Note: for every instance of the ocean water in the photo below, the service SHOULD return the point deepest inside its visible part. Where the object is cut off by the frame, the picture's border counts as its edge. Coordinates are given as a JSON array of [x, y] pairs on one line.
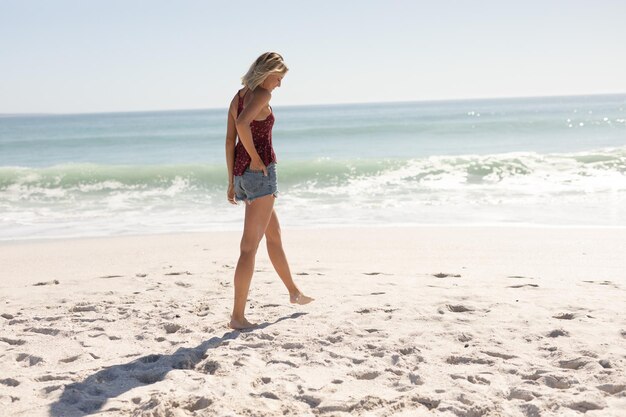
[[529, 161]]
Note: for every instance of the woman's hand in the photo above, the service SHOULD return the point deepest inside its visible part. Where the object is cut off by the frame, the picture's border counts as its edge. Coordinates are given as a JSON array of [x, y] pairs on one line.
[[258, 165], [230, 194]]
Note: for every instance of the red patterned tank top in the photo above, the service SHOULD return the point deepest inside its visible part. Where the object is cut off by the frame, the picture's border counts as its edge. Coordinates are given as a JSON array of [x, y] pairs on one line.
[[262, 139]]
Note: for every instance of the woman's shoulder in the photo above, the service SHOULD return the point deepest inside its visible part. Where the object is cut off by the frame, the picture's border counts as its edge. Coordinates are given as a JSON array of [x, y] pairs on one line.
[[260, 95], [234, 104]]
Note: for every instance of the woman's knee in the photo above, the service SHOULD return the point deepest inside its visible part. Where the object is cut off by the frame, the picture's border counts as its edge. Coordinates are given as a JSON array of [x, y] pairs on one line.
[[249, 245], [272, 236]]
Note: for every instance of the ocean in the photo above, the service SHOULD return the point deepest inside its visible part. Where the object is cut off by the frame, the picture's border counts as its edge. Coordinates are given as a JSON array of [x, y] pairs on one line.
[[545, 161]]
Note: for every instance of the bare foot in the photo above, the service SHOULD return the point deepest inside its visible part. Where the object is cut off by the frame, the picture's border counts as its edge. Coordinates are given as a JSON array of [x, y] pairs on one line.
[[240, 324], [300, 299]]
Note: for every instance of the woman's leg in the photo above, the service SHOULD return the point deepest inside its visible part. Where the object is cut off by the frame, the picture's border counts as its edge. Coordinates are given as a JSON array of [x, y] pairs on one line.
[[279, 260], [277, 254], [257, 216]]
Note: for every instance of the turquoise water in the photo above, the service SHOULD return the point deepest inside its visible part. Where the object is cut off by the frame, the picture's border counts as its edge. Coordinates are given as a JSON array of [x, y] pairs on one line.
[[555, 160]]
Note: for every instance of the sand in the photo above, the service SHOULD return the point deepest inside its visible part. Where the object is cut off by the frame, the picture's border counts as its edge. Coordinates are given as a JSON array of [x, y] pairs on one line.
[[421, 321]]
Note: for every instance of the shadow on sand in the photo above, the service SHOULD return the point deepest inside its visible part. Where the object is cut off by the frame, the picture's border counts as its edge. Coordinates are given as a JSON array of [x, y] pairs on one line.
[[88, 396]]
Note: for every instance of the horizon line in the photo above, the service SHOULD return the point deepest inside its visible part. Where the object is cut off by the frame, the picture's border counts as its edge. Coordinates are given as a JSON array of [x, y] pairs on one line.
[[314, 105]]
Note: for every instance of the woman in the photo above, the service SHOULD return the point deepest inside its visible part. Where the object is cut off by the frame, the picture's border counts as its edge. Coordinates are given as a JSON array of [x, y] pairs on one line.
[[252, 178]]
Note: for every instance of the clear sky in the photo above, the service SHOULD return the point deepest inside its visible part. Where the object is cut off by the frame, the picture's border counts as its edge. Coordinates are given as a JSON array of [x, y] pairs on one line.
[[84, 56]]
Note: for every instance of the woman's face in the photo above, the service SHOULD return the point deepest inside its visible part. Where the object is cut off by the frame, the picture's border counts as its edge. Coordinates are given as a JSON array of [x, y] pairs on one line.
[[272, 81]]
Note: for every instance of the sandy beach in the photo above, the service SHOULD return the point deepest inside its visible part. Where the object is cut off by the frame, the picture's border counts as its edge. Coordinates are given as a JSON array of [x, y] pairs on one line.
[[419, 321]]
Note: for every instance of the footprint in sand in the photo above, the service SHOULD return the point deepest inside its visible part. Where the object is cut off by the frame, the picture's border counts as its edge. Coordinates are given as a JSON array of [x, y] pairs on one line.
[[522, 394], [523, 285], [427, 402], [610, 283], [84, 307], [444, 275], [12, 342], [612, 389], [53, 282], [197, 403], [43, 330], [261, 336], [159, 402], [251, 345], [558, 381], [584, 406], [289, 363], [10, 382], [557, 333], [50, 377], [477, 379], [530, 410], [462, 360], [499, 355], [149, 376], [51, 388], [575, 363], [179, 273], [310, 400], [49, 318], [209, 367], [538, 373], [409, 350], [70, 359], [368, 375], [375, 273], [171, 327], [464, 337], [565, 316], [30, 360], [458, 308], [292, 345]]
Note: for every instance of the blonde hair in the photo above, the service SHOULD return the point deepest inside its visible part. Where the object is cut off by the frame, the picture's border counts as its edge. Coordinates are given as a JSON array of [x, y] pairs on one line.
[[266, 64]]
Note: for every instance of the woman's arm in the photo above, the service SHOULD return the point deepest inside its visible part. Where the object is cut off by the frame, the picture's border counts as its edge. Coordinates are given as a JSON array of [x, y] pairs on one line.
[[260, 99], [231, 138]]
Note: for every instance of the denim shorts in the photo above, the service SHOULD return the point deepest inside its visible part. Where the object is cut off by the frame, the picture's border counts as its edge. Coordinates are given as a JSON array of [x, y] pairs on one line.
[[253, 184]]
